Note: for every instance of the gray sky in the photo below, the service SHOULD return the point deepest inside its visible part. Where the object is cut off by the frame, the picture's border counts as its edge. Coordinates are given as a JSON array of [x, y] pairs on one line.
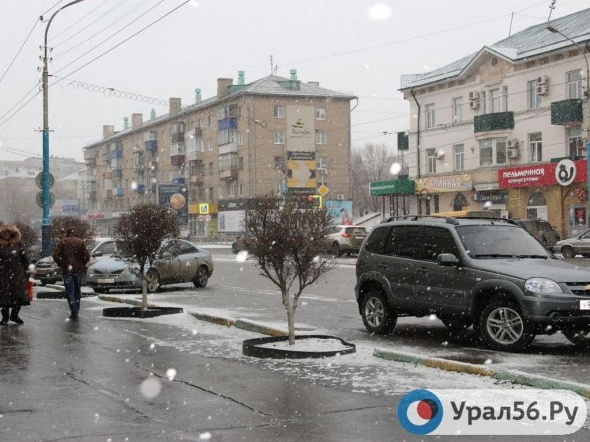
[[167, 48]]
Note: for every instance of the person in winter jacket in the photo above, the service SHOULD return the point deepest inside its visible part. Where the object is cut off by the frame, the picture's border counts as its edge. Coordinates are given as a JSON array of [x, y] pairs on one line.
[[14, 270], [72, 256]]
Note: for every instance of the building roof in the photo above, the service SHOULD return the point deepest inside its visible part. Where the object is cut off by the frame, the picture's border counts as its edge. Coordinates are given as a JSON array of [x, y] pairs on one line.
[[531, 42], [270, 85]]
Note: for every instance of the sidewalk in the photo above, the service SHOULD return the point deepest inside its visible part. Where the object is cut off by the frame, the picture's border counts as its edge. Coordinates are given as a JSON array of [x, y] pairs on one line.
[[512, 376]]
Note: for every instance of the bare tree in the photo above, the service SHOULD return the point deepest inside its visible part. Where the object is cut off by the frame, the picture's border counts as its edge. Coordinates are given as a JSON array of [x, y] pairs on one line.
[[371, 163], [140, 234], [290, 239], [28, 235]]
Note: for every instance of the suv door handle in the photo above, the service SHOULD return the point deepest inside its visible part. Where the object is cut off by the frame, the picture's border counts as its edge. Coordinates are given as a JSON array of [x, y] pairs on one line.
[[422, 270], [382, 265]]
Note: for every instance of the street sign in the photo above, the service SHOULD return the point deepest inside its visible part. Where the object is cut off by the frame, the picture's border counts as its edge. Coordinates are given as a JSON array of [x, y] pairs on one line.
[[39, 180], [322, 190], [39, 199]]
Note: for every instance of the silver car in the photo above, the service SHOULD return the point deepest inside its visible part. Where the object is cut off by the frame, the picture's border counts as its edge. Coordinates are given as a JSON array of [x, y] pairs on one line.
[[578, 245], [178, 261], [345, 239]]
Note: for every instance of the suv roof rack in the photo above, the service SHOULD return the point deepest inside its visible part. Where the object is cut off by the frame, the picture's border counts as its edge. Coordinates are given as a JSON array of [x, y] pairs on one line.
[[448, 219]]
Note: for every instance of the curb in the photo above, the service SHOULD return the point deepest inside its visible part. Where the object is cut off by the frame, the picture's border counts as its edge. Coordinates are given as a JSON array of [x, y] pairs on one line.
[[517, 378]]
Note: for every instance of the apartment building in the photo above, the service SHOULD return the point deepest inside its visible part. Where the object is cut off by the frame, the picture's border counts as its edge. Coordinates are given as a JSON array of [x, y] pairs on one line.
[[270, 137], [506, 128]]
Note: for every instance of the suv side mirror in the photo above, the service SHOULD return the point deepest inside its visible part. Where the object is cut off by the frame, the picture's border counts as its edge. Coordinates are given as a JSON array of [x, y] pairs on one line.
[[447, 260], [97, 253]]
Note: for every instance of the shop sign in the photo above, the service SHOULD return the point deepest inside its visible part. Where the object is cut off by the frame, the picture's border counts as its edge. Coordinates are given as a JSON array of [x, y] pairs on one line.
[[493, 196], [564, 173], [450, 183]]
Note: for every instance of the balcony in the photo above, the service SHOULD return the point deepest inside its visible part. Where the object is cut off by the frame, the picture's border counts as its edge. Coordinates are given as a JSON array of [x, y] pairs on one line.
[[118, 191], [91, 162], [109, 193], [227, 123], [195, 155], [228, 148], [118, 173], [107, 175], [228, 174], [138, 166], [151, 145], [90, 154], [177, 160], [495, 121], [178, 137], [140, 188], [117, 153], [107, 156], [567, 112]]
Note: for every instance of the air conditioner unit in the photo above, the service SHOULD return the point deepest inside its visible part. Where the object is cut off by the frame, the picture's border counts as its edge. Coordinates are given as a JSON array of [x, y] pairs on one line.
[[542, 79], [439, 154], [474, 95], [513, 153], [512, 143], [474, 104], [542, 89], [340, 197]]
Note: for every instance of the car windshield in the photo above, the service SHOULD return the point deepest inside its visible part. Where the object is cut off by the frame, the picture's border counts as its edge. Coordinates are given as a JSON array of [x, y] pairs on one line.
[[500, 241]]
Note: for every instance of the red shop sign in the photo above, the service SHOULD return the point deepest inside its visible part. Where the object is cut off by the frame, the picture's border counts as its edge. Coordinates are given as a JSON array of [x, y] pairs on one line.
[[539, 175]]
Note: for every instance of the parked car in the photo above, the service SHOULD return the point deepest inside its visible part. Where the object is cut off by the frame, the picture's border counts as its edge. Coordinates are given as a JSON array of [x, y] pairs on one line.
[[489, 273], [541, 230], [48, 272], [178, 261], [243, 242], [345, 239], [579, 245]]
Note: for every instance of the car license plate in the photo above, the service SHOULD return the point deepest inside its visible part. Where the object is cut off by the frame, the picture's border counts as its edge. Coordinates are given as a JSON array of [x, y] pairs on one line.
[[105, 281], [585, 304]]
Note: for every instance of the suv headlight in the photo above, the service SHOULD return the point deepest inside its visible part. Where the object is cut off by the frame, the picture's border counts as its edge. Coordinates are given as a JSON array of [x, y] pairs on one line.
[[542, 286]]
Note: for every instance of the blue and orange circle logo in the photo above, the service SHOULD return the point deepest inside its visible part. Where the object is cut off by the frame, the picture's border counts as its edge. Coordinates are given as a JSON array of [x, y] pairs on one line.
[[420, 412]]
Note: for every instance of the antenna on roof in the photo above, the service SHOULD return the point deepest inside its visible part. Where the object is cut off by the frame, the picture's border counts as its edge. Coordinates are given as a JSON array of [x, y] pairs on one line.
[[551, 8], [273, 68]]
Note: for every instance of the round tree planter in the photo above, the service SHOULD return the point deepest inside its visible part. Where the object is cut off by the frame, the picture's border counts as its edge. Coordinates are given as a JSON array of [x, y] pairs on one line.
[[258, 348], [137, 312]]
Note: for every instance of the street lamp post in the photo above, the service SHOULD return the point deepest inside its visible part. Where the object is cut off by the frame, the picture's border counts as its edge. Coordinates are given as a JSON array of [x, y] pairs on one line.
[[586, 116], [46, 226]]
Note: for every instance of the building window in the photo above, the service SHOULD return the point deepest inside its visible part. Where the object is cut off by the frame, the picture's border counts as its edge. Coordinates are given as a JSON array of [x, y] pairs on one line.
[[232, 189], [210, 121], [320, 113], [430, 117], [210, 145], [241, 189], [431, 160], [221, 191], [457, 109], [211, 194], [240, 138], [241, 163], [321, 163], [533, 99], [278, 137], [492, 151], [576, 146], [279, 163], [459, 150], [574, 84], [536, 147], [495, 100], [210, 168], [279, 112], [321, 137]]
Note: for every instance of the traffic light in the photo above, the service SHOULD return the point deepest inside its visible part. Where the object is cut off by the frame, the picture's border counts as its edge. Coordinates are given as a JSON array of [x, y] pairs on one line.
[[315, 201]]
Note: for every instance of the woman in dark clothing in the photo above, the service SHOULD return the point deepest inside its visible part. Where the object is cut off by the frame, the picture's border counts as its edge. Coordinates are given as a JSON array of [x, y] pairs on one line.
[[14, 270]]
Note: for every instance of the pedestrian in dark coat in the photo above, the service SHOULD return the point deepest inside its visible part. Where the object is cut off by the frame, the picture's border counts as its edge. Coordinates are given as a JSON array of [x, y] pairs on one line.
[[14, 270], [72, 256]]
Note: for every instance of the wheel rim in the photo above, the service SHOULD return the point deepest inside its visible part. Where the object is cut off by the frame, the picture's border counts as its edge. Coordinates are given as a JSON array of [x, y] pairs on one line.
[[152, 282], [336, 249], [374, 312], [505, 325], [202, 277]]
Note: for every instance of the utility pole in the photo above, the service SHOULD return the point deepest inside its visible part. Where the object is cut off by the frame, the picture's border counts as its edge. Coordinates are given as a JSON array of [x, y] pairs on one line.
[[46, 226]]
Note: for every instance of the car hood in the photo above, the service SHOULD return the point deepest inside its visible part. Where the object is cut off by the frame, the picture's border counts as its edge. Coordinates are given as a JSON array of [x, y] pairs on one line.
[[567, 241], [525, 268], [111, 265]]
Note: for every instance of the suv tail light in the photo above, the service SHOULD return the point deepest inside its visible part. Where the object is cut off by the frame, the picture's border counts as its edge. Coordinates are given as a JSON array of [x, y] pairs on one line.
[[346, 235]]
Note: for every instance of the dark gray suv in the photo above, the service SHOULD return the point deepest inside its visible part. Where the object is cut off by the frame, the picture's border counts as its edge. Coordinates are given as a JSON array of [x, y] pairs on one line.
[[489, 273]]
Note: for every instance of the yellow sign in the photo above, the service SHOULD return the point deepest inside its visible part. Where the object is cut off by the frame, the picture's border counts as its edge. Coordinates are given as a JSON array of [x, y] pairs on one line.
[[203, 209], [322, 190]]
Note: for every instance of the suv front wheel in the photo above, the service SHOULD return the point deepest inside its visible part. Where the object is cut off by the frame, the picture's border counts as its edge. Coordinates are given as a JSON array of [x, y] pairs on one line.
[[503, 327], [378, 316]]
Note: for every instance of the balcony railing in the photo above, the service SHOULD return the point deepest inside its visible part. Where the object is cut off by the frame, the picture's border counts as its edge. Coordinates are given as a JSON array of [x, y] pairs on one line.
[[118, 191], [151, 145], [228, 174], [177, 160], [495, 121], [566, 112]]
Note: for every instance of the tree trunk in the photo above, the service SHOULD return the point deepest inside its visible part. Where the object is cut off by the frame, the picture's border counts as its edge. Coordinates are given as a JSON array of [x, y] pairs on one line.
[[144, 302], [291, 322]]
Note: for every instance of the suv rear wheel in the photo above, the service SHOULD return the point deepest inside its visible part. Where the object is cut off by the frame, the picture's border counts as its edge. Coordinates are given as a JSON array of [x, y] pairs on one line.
[[503, 327], [378, 316]]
